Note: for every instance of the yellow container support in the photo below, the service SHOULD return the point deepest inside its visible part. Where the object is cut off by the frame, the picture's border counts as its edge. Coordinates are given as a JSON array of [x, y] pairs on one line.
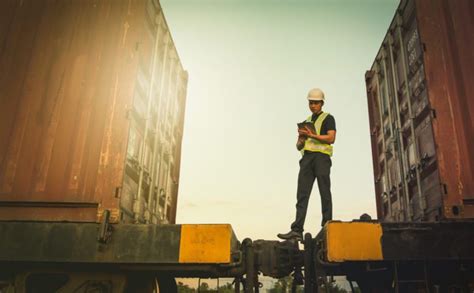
[[205, 243], [353, 241]]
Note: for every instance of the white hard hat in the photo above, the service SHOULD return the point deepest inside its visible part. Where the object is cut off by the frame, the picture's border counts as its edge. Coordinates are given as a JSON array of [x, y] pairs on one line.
[[316, 95]]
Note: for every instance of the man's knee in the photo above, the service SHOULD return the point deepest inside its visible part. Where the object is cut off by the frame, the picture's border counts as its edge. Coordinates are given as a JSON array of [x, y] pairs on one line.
[[324, 181]]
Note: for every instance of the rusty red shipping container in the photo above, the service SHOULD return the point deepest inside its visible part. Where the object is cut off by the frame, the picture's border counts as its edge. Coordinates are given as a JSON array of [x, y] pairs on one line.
[[420, 93], [92, 97]]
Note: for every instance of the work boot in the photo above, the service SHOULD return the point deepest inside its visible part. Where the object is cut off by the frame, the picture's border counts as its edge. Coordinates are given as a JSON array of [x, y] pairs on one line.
[[291, 235]]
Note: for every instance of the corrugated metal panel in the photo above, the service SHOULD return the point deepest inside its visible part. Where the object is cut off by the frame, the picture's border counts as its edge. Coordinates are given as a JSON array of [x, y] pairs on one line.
[[374, 121], [419, 109], [72, 74], [447, 29]]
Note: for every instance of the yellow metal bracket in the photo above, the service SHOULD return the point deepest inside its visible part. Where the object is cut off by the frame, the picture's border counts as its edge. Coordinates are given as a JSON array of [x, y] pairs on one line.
[[353, 241], [205, 243]]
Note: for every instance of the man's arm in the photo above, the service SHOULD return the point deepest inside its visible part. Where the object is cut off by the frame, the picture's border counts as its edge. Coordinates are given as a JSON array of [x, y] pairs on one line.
[[329, 138]]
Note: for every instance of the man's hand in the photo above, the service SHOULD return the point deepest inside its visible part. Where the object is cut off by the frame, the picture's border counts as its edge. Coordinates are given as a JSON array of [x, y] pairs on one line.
[[300, 142], [302, 136], [306, 132], [302, 132]]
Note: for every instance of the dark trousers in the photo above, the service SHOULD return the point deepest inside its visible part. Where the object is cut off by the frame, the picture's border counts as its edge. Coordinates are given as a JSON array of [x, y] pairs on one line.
[[313, 166]]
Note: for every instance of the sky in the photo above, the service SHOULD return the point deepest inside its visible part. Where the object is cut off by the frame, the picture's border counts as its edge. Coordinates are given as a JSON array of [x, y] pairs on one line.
[[251, 65]]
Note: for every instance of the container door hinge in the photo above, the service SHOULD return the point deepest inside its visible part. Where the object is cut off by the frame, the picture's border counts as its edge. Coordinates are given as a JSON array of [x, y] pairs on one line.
[[105, 230], [445, 188], [423, 45], [118, 190], [433, 113]]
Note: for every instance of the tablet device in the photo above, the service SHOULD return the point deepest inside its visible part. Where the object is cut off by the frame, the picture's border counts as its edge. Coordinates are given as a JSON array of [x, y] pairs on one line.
[[308, 125]]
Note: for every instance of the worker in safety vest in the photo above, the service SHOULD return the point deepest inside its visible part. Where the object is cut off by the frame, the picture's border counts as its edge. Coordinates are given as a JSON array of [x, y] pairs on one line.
[[316, 148]]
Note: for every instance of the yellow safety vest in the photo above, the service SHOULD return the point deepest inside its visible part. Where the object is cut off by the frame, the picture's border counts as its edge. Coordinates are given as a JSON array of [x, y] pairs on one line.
[[314, 145]]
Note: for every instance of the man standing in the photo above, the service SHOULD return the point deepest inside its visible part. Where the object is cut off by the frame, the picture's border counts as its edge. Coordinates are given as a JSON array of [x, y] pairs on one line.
[[316, 148]]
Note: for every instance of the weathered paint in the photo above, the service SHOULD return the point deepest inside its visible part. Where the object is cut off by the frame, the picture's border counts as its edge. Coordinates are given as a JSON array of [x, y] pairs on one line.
[[354, 241], [447, 30], [420, 109], [450, 240], [205, 244], [408, 241], [77, 243], [132, 244], [69, 81]]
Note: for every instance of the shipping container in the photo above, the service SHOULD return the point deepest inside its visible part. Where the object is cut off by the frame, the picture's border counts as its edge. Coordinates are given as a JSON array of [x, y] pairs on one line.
[[92, 100], [420, 92]]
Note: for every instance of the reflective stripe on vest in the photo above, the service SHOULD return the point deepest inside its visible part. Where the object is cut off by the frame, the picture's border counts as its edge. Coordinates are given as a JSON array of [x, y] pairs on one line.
[[314, 145]]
